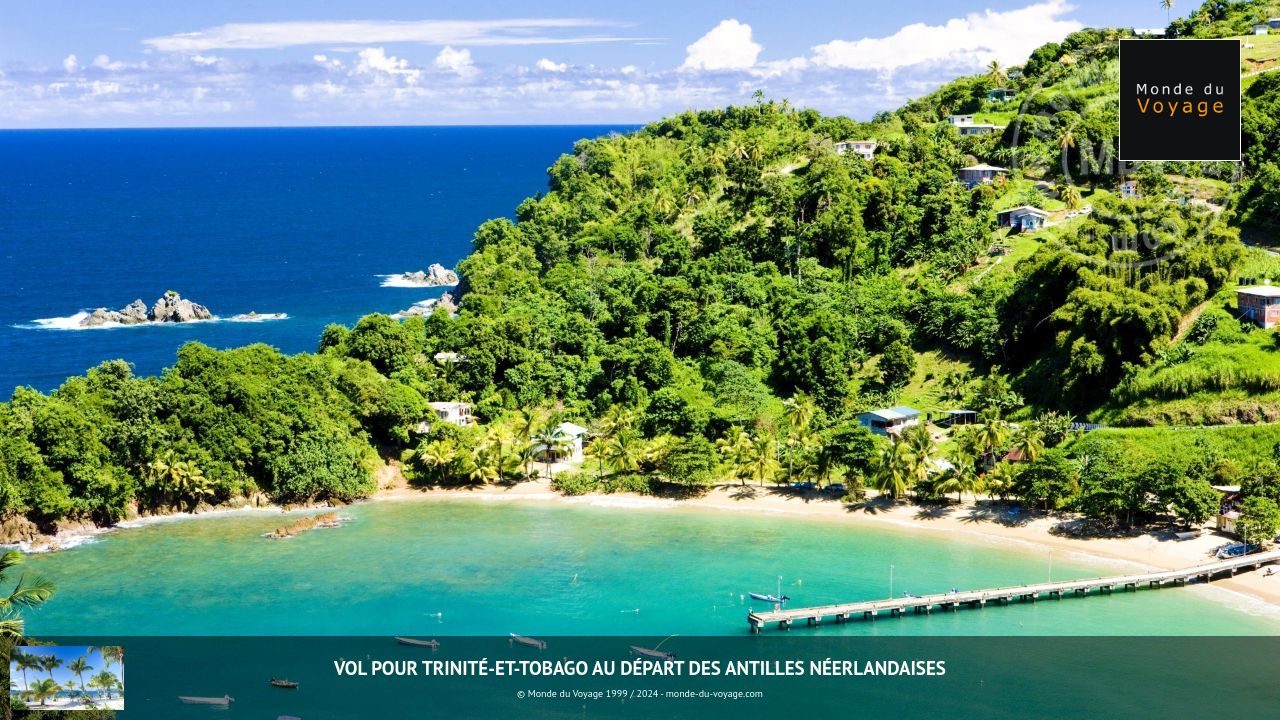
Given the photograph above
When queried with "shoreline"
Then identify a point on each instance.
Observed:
(970, 521)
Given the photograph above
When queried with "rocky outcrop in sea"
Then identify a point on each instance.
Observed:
(170, 308)
(436, 275)
(427, 307)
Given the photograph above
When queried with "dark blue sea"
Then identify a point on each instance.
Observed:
(300, 221)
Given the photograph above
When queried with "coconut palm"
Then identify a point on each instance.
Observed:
(1070, 195)
(438, 455)
(996, 73)
(735, 448)
(992, 434)
(551, 441)
(42, 690)
(49, 663)
(624, 452)
(797, 415)
(105, 680)
(891, 469)
(112, 654)
(483, 465)
(762, 461)
(1029, 442)
(24, 662)
(30, 591)
(1001, 479)
(79, 667)
(1168, 10)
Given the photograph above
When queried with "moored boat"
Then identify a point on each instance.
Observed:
(652, 653)
(528, 641)
(282, 683)
(192, 700)
(769, 598)
(433, 644)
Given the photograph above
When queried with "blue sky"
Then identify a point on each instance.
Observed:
(141, 63)
(61, 675)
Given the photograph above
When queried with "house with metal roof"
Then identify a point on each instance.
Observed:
(890, 421)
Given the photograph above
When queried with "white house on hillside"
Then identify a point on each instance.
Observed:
(570, 435)
(454, 413)
(864, 148)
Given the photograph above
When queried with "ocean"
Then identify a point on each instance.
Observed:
(300, 221)
(425, 568)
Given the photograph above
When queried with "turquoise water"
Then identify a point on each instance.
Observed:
(476, 568)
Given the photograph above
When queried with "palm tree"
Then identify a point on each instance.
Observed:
(28, 593)
(1029, 442)
(996, 73)
(79, 667)
(797, 414)
(44, 689)
(1168, 10)
(891, 469)
(1001, 479)
(49, 663)
(1070, 195)
(762, 462)
(483, 465)
(105, 680)
(111, 654)
(551, 441)
(624, 452)
(734, 447)
(24, 662)
(438, 455)
(992, 433)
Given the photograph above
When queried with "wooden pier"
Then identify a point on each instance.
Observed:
(926, 604)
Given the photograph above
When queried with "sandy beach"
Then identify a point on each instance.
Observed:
(973, 520)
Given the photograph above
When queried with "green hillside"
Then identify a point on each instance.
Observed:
(721, 293)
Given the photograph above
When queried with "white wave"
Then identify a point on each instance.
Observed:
(258, 317)
(400, 281)
(61, 542)
(72, 322)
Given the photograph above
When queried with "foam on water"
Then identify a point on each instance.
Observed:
(400, 281)
(72, 322)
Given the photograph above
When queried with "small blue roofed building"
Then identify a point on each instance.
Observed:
(1024, 218)
(890, 421)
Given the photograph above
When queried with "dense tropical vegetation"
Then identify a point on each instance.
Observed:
(719, 294)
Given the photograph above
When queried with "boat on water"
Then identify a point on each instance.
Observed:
(433, 644)
(652, 653)
(191, 700)
(528, 641)
(770, 598)
(286, 684)
(288, 717)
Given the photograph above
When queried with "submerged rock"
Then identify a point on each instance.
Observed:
(427, 307)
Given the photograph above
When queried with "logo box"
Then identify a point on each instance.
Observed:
(1180, 100)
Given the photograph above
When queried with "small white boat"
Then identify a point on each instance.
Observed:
(433, 644)
(224, 700)
(528, 641)
(288, 717)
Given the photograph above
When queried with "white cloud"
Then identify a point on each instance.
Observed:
(103, 62)
(206, 59)
(540, 31)
(70, 64)
(966, 42)
(552, 66)
(728, 46)
(376, 61)
(456, 61)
